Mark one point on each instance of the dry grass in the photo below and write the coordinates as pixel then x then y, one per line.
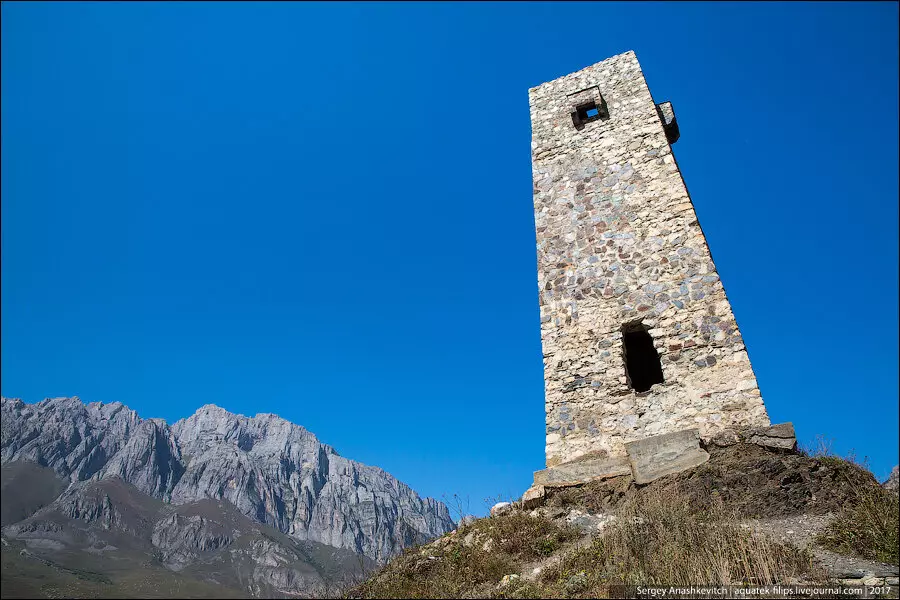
pixel 868 524
pixel 868 527
pixel 682 531
pixel 470 563
pixel 659 538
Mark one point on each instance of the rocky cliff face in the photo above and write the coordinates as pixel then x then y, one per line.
pixel 74 439
pixel 273 471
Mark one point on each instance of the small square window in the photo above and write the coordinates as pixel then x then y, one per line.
pixel 588 112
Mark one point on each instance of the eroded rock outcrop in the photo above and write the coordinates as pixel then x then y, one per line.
pixel 893 482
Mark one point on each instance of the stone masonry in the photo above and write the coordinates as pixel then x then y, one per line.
pixel 621 257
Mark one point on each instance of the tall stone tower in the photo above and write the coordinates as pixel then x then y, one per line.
pixel 638 336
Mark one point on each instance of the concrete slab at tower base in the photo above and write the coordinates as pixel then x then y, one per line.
pixel 659 455
pixel 582 471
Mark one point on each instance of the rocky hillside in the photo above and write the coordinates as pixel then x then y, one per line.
pixel 176 494
pixel 750 515
pixel 106 538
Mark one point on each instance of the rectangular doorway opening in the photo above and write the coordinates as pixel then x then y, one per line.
pixel 642 366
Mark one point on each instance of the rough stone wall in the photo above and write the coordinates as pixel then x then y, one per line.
pixel 618 242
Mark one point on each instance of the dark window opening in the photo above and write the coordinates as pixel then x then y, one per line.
pixel 588 112
pixel 642 364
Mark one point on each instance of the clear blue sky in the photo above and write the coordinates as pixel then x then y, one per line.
pixel 325 212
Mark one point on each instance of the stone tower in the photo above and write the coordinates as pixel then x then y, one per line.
pixel 638 336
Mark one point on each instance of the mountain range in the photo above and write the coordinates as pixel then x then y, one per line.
pixel 97 500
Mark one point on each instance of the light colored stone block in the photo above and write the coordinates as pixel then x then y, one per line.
pixel 654 457
pixel 779 436
pixel 501 508
pixel 533 497
pixel 582 471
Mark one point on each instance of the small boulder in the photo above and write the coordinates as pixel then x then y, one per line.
pixel 467 520
pixel 588 523
pixel 501 508
pixel 508 579
pixel 533 497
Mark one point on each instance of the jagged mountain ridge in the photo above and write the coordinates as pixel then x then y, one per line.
pixel 273 471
